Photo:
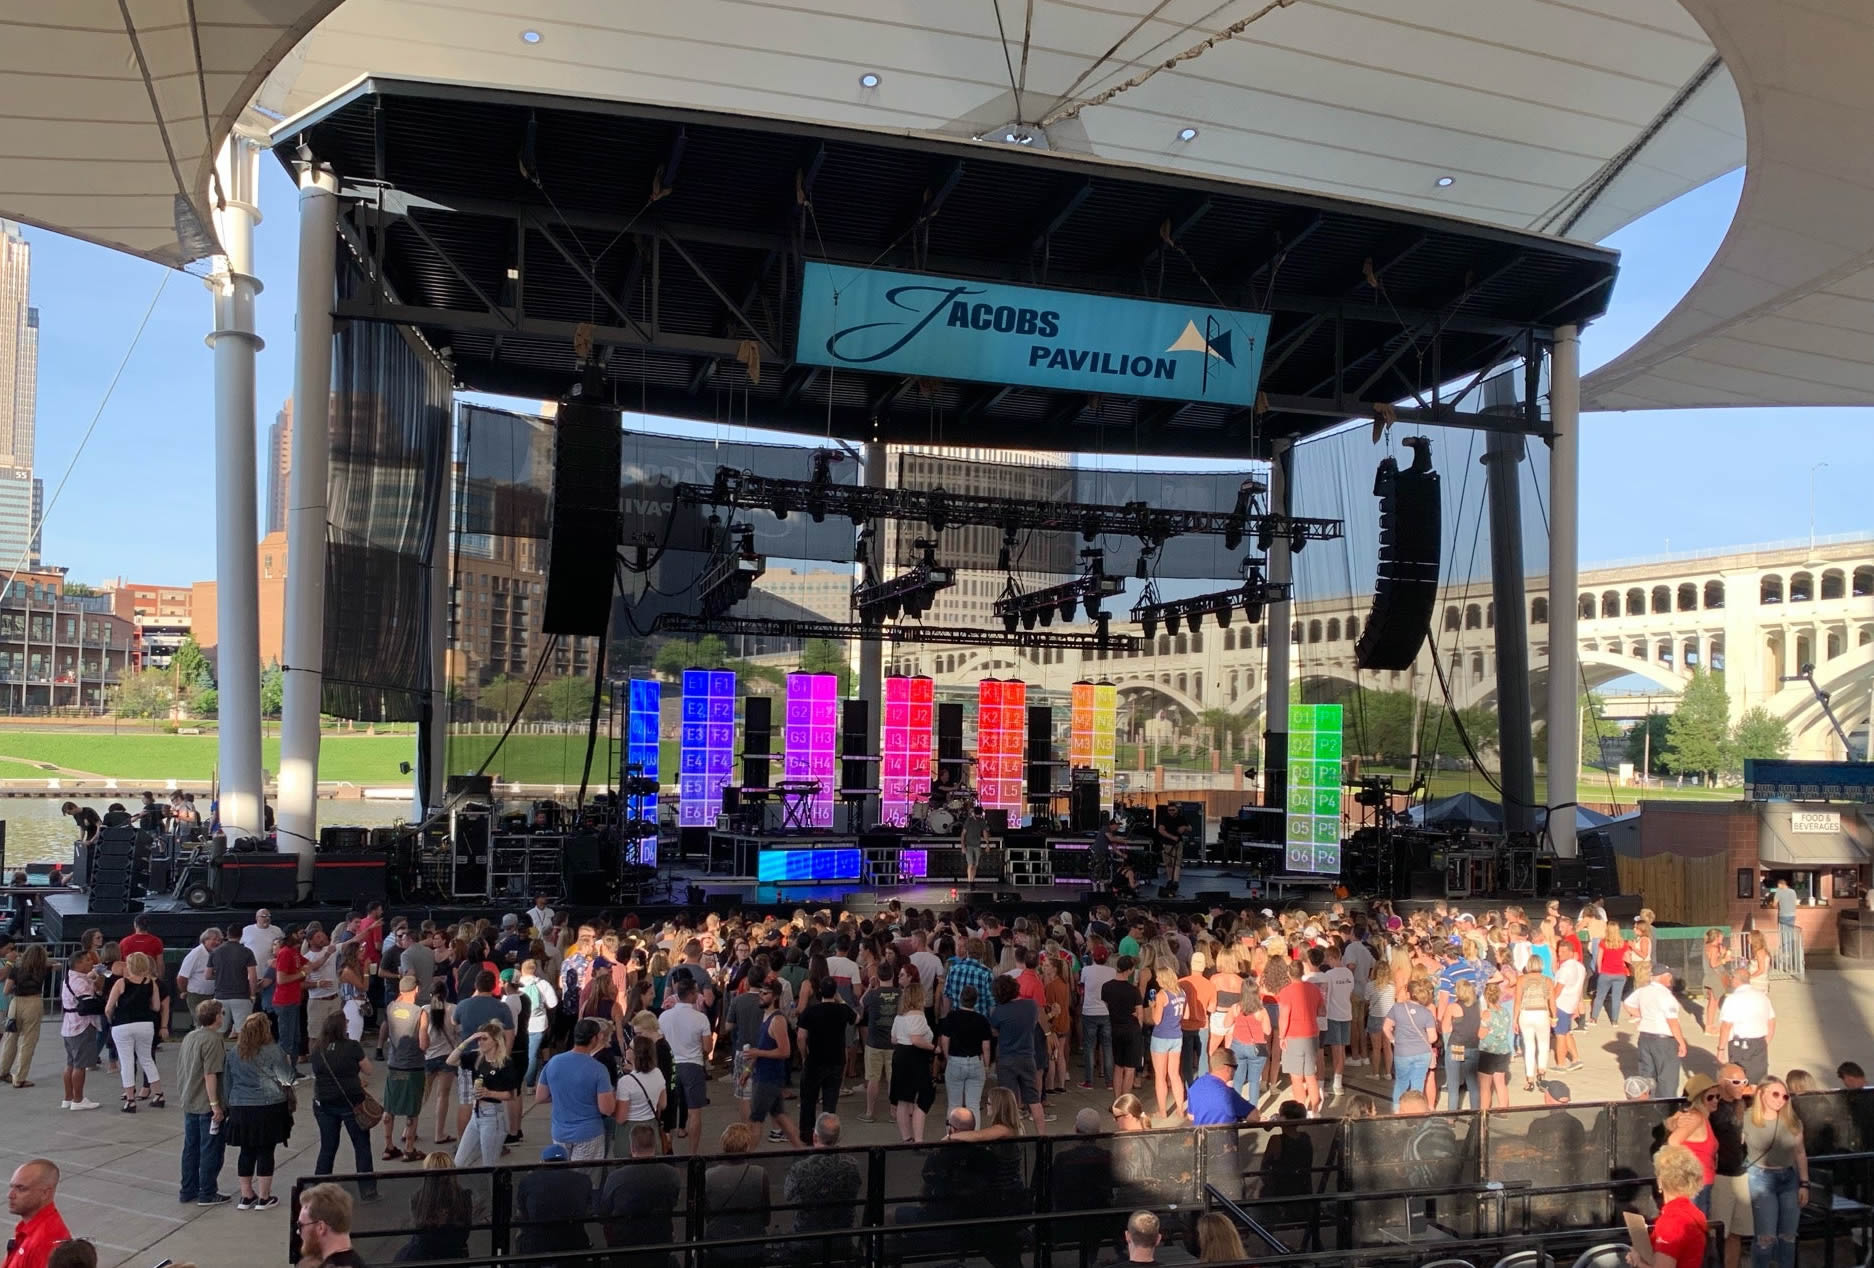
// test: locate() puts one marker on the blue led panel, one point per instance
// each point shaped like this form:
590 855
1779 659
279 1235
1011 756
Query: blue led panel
706 746
642 717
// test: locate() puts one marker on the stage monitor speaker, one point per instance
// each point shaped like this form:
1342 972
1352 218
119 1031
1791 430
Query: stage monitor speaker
757 740
1040 750
950 741
1410 538
482 786
587 525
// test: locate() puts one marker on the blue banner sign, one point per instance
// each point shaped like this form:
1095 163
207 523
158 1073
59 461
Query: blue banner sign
988 332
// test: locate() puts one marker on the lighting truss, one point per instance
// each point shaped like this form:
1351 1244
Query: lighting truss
726 582
1016 607
909 593
941 509
955 636
1175 614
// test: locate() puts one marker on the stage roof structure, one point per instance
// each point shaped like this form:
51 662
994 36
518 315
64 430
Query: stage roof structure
502 225
1568 119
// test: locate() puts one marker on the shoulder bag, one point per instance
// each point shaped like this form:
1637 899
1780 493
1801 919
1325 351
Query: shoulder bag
366 1108
663 1136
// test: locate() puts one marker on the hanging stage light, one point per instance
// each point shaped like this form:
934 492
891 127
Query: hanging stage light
1091 586
1171 622
1067 609
1148 624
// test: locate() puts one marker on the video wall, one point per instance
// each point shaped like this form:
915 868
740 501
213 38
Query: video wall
644 703
1314 778
706 745
811 734
905 743
1093 732
1001 737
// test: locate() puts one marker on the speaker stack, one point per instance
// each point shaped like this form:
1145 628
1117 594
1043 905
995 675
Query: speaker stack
587 525
856 766
114 873
757 740
1040 765
950 742
1410 534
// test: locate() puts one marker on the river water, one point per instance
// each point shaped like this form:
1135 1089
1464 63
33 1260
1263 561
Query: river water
37 833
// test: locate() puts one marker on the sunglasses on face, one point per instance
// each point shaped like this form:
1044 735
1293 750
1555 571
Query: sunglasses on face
1776 1096
1709 1098
1736 1082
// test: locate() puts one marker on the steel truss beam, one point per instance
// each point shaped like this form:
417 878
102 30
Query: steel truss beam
938 506
955 636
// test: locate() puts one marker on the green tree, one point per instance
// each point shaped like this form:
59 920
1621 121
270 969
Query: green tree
824 656
677 655
1698 737
1758 734
142 695
502 696
204 702
566 699
1648 736
272 690
78 590
190 667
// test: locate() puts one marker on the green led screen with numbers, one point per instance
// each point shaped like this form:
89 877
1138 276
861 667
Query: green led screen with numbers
1314 752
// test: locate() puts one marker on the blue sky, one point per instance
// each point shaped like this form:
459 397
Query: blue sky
140 502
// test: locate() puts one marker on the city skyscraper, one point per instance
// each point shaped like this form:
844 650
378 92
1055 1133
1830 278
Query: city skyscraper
19 349
20 494
279 459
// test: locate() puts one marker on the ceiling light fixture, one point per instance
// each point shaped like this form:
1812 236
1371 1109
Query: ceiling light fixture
1187 134
1445 182
869 80
530 37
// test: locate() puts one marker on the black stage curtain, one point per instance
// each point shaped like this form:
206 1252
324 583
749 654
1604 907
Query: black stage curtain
391 403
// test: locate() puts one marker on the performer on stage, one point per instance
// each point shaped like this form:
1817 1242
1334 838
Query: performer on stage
1171 833
975 826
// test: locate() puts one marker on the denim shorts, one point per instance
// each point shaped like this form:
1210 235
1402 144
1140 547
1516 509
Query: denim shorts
1174 1044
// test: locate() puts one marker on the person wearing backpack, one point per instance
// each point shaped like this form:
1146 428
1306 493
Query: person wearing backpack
79 1028
542 999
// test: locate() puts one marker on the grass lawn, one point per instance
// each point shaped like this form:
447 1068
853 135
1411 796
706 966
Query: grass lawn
346 758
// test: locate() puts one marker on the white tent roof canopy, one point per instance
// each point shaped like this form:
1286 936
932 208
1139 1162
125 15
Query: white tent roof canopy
1570 118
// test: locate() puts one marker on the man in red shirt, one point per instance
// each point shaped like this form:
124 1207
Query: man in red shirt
289 992
1298 1004
30 1196
142 940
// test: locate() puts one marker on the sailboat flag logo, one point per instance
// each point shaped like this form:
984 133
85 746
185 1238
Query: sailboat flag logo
1220 345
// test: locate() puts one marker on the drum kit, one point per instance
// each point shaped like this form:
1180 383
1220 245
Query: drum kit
944 812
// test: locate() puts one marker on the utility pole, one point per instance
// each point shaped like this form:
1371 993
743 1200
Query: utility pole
1646 747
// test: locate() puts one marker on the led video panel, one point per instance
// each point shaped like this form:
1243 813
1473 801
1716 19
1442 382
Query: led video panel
1001 737
1092 735
812 738
1314 753
706 745
905 737
644 700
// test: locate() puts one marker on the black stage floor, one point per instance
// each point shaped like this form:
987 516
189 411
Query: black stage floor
679 889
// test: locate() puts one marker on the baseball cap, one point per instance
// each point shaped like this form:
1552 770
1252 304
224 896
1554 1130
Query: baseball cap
1268 914
510 920
1638 1087
554 1153
1556 1090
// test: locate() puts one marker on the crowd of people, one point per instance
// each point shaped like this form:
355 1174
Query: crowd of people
647 1032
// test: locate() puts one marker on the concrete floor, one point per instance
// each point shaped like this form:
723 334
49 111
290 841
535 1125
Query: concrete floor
120 1170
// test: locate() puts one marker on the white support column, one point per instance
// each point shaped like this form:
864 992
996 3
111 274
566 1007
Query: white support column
306 517
1279 616
871 680
237 537
1564 579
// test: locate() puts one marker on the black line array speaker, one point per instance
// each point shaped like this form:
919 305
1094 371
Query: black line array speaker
757 740
1410 535
853 717
587 526
1040 750
950 741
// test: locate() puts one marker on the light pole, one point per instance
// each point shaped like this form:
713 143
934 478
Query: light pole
1812 470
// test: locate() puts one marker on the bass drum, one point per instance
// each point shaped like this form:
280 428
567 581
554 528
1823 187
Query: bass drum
917 818
941 822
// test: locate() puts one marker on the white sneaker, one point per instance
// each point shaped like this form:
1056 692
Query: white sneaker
65 1105
1337 1090
84 1105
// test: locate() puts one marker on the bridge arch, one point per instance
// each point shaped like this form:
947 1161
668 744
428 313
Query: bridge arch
1846 679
